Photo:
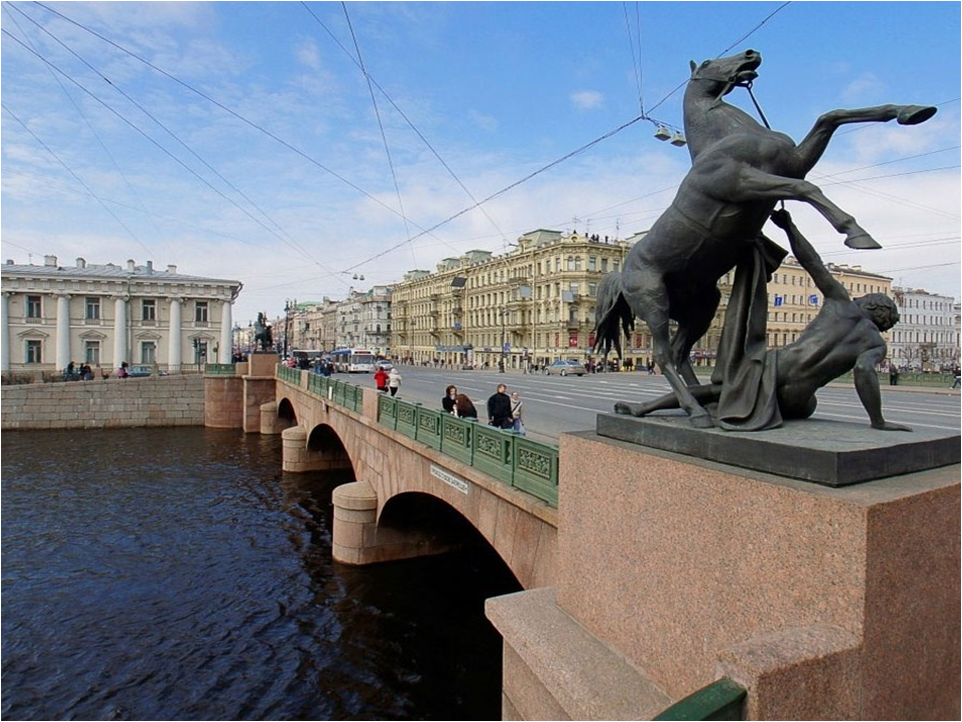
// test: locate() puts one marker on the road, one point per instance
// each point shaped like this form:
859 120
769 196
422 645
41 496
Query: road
554 404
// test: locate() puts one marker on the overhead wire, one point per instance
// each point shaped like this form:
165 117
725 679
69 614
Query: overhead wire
380 125
293 243
233 113
155 143
407 120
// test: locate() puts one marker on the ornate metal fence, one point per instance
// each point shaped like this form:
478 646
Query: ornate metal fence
219 369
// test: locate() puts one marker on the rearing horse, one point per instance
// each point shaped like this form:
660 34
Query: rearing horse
740 170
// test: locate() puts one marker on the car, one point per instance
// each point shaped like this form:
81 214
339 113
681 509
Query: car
567 367
384 364
139 371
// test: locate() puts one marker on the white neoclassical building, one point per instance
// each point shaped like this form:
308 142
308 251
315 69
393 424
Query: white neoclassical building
106 314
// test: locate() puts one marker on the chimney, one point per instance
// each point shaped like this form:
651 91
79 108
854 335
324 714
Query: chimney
50 260
150 268
131 265
81 263
171 268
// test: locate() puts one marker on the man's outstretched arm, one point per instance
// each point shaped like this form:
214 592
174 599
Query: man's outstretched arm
806 255
866 385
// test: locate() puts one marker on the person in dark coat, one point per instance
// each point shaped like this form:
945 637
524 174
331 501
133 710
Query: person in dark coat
499 409
464 407
449 398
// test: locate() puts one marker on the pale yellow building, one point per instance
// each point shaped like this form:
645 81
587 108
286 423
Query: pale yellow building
531 305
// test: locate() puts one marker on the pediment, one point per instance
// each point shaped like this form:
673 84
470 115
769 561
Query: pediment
33 333
148 336
93 336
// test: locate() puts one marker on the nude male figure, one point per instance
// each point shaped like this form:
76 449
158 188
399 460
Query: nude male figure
845 334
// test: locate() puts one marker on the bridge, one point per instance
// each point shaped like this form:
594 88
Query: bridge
657 586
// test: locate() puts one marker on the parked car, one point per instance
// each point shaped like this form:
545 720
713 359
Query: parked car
135 371
568 367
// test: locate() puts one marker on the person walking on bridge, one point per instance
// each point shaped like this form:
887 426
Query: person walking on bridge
499 408
394 381
381 379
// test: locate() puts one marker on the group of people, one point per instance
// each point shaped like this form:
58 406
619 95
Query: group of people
73 372
504 411
387 382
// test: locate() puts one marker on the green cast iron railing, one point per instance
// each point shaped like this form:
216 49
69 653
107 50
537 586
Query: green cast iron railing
723 699
219 369
527 465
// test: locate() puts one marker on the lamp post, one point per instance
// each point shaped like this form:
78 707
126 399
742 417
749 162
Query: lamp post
289 305
504 342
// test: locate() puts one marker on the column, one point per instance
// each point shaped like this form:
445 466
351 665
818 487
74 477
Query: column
120 330
173 359
63 331
4 334
226 333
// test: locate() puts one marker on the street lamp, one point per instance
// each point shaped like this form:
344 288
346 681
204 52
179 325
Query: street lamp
504 342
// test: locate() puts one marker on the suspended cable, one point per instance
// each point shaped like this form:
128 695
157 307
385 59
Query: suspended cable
294 244
150 253
380 125
634 60
407 120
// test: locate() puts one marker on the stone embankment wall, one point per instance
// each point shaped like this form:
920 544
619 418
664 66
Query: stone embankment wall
110 403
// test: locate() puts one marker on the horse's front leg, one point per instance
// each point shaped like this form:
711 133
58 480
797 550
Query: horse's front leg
756 185
813 146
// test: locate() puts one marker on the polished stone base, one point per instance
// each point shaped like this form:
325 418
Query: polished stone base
834 453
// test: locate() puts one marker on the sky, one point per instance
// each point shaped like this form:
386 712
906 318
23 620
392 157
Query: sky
240 140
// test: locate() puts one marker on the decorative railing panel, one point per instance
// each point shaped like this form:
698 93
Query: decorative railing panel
387 411
407 418
492 452
291 376
535 469
429 427
723 699
456 435
219 369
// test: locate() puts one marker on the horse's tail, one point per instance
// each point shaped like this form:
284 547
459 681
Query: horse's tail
612 314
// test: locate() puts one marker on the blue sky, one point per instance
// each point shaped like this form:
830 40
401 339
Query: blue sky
499 90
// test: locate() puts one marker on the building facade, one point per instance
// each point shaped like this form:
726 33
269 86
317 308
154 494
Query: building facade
104 315
926 338
531 305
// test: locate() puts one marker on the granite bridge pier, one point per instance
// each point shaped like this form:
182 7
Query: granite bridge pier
659 583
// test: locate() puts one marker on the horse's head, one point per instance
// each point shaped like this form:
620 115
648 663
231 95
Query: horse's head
723 74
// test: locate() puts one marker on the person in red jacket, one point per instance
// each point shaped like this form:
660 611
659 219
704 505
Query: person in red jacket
380 378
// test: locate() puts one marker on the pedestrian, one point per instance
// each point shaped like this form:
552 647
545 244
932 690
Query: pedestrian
449 398
894 376
464 408
68 372
122 371
958 378
499 408
394 381
517 409
381 379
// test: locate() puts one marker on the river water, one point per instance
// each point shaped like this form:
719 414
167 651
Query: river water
179 574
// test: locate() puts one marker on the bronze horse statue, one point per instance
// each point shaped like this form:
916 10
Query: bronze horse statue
740 170
263 335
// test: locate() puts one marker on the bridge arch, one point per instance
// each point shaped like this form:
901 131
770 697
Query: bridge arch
286 412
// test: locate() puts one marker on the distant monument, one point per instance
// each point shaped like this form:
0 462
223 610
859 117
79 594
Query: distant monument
740 170
263 335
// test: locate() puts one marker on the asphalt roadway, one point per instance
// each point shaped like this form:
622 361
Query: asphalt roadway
555 404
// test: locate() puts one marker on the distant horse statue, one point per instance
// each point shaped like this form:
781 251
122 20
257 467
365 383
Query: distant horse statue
740 170
262 333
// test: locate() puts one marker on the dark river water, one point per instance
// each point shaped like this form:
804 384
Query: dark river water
178 574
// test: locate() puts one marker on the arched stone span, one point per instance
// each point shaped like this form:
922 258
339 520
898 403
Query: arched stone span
276 416
387 464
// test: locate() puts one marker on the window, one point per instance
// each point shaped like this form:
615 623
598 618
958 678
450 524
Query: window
604 265
148 352
592 289
592 263
93 308
615 266
34 307
200 311
149 309
92 353
34 355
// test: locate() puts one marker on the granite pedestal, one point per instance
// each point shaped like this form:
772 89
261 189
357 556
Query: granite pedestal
825 603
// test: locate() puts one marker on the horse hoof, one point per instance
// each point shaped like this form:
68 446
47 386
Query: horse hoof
701 421
622 408
915 114
862 241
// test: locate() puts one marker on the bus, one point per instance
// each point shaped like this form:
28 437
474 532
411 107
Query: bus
353 360
310 356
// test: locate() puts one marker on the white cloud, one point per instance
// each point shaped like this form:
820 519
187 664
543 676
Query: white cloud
484 122
864 86
586 99
307 54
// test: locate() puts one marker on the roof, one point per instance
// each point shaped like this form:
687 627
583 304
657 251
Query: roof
107 271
